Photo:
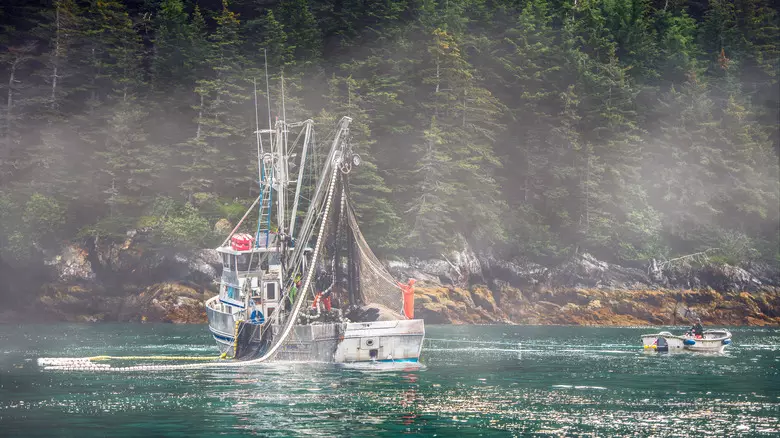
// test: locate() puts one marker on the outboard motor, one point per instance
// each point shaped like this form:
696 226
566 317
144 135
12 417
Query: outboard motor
661 345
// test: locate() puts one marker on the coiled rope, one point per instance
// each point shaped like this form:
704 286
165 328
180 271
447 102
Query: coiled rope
86 363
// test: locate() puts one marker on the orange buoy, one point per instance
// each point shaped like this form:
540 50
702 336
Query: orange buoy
408 291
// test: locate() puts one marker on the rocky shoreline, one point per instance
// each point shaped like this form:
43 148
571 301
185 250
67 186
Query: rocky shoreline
130 281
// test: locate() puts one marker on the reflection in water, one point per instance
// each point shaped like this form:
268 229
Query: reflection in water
409 398
500 381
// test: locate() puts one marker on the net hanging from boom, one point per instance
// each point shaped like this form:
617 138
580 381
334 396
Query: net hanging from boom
376 283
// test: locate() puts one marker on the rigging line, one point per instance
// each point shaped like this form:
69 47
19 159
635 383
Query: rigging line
241 221
316 211
295 143
321 184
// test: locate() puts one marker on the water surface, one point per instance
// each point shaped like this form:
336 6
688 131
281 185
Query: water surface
477 381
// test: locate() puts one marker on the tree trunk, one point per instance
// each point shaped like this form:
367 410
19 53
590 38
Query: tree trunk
56 57
9 111
200 118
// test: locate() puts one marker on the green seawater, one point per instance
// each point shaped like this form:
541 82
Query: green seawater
477 381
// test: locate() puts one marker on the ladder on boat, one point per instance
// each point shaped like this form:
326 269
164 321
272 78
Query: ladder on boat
266 200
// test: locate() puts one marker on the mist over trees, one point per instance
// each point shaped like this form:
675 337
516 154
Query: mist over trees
632 129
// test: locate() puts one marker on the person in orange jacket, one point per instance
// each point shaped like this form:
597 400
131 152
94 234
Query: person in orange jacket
408 291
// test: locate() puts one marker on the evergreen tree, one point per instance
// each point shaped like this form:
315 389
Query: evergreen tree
302 30
540 162
14 111
221 128
678 51
113 121
561 122
113 52
456 192
173 63
60 30
367 185
684 159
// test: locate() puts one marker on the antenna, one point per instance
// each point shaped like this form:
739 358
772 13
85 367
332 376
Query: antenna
284 110
257 134
267 91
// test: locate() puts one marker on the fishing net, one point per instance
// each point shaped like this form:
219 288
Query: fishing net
253 340
377 284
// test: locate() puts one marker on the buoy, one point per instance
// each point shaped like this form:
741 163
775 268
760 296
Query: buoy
726 341
689 342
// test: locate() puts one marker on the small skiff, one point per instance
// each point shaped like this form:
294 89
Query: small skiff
712 341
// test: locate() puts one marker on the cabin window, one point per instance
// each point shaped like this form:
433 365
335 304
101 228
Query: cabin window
271 311
270 291
226 261
230 262
248 262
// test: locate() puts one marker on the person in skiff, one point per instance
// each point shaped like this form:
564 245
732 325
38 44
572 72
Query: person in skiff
697 330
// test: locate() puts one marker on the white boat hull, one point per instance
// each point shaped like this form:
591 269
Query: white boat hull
713 341
398 341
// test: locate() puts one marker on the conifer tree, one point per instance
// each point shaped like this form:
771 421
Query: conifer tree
113 52
456 192
122 161
17 101
367 184
60 30
683 167
173 64
106 104
48 165
302 30
678 51
221 131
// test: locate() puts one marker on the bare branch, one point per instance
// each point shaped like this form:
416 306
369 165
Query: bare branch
699 256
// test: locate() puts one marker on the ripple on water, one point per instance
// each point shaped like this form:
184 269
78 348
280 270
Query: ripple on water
477 380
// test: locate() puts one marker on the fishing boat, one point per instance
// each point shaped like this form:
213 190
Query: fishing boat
301 283
711 341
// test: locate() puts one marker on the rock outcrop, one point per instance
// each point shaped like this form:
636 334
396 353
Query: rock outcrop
586 291
126 280
131 280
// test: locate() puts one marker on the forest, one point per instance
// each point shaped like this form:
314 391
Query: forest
630 129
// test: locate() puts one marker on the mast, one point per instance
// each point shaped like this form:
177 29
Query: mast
283 165
334 154
281 177
294 211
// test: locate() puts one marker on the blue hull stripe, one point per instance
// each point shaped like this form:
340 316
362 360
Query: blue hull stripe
411 359
224 338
